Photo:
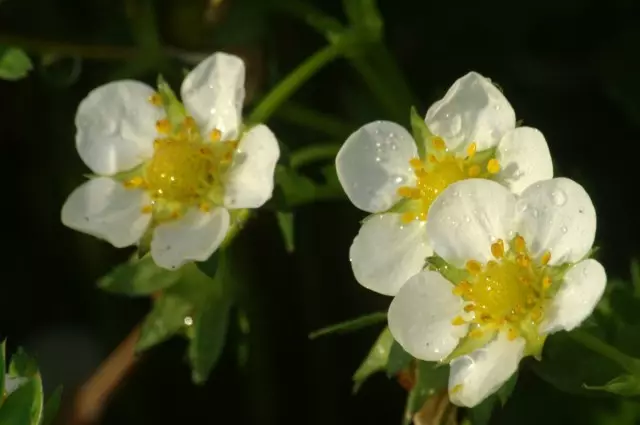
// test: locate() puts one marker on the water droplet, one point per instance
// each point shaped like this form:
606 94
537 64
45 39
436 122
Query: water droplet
378 144
378 159
564 229
467 218
456 193
397 179
394 147
559 197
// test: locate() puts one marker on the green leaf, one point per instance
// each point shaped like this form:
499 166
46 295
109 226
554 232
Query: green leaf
375 361
481 414
365 16
51 407
166 318
3 368
398 359
624 385
351 325
421 133
138 278
285 222
18 408
430 378
210 325
14 64
174 109
22 365
635 276
507 388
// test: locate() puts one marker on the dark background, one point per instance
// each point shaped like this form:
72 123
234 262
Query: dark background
569 68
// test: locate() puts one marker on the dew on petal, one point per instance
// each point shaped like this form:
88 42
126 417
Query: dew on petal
559 197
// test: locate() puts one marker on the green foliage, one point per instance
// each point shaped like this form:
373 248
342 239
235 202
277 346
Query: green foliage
421 133
15 64
430 377
375 361
398 360
139 277
351 325
285 223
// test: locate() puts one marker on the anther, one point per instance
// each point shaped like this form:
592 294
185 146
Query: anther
474 171
458 321
520 244
473 267
415 163
432 159
147 209
497 249
493 166
469 308
546 282
512 334
189 122
405 191
408 217
476 333
523 260
204 207
215 135
438 143
163 126
546 257
471 149
155 99
134 182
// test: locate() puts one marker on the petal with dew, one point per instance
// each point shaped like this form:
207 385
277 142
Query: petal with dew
374 162
476 376
467 217
472 110
557 216
421 315
580 291
250 179
193 237
103 208
386 252
116 127
213 93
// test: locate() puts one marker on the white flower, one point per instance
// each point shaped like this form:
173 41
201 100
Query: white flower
380 171
515 273
179 180
11 384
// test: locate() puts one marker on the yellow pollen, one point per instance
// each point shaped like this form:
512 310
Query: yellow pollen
493 166
469 308
179 171
523 260
134 182
415 163
205 207
408 217
147 209
546 282
409 192
473 267
536 315
520 244
462 288
497 249
512 334
476 333
175 214
438 143
163 126
546 257
456 388
155 99
432 159
215 135
471 149
458 321
474 171
189 122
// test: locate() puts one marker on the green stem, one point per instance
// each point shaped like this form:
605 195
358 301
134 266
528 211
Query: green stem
314 120
630 364
351 325
293 81
313 153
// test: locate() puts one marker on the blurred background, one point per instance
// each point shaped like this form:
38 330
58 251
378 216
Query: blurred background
569 68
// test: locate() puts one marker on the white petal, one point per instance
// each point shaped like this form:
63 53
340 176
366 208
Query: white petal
11 384
476 376
213 93
194 237
473 110
116 127
467 217
250 179
374 162
524 159
558 216
581 290
386 252
420 317
103 208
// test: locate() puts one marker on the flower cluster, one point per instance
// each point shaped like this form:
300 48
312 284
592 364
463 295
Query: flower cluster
483 250
173 173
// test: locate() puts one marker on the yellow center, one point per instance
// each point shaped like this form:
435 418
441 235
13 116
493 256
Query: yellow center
186 170
507 292
440 169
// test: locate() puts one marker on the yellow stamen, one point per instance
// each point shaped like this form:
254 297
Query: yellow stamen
523 260
474 171
546 257
458 321
432 159
493 166
215 135
473 267
497 249
189 122
469 308
415 163
147 209
536 315
205 207
163 126
134 182
476 333
471 149
546 282
520 244
438 143
408 217
155 99
462 288
512 334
